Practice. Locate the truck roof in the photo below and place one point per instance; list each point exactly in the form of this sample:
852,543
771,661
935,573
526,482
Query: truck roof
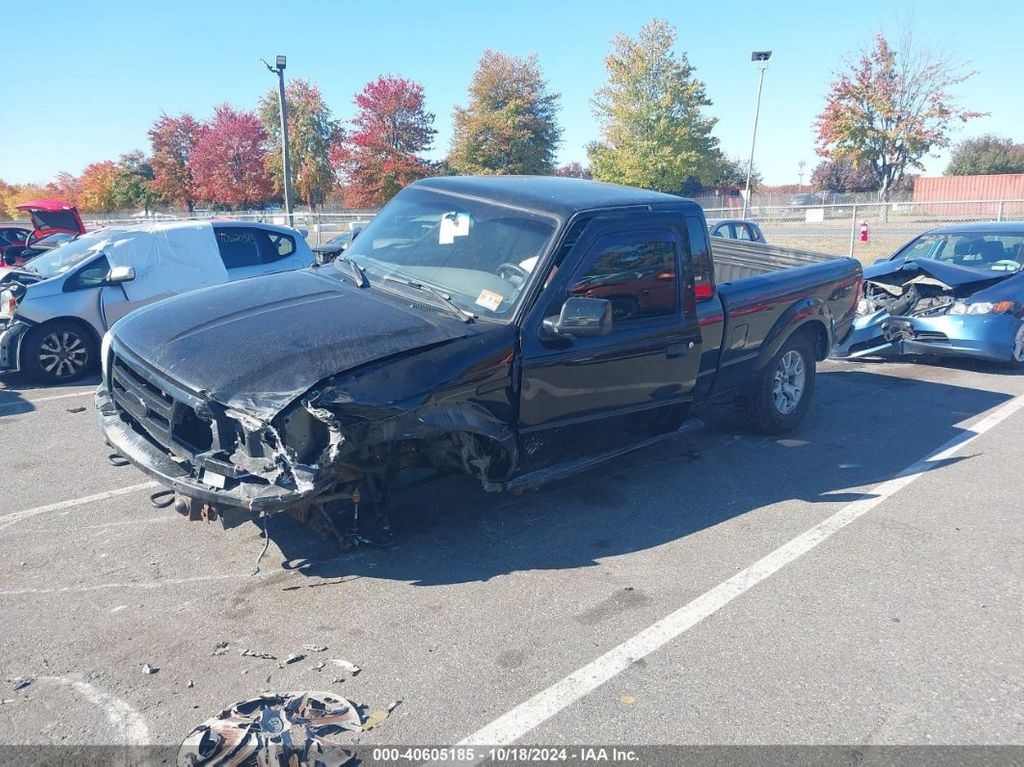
556,195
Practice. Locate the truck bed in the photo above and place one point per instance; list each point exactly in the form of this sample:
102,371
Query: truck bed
736,260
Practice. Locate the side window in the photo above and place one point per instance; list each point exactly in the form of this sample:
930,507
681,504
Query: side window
743,232
635,271
91,276
281,245
703,268
238,247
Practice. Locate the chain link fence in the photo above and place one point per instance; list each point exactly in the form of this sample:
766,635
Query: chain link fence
837,229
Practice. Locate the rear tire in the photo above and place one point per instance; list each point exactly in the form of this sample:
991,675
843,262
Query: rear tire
783,388
59,352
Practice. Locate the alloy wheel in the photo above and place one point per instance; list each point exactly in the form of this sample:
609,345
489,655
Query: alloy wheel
63,354
790,379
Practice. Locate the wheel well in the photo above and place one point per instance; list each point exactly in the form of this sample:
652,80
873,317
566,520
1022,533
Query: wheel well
90,331
818,335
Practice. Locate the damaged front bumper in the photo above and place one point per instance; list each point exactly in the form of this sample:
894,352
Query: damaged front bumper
11,334
194,481
988,337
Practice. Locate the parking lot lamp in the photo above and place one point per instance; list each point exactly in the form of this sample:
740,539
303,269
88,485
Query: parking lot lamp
278,69
761,58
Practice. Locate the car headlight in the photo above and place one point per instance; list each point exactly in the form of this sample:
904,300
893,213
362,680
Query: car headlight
983,307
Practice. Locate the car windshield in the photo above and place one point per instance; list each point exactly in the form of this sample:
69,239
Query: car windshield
478,253
995,252
64,257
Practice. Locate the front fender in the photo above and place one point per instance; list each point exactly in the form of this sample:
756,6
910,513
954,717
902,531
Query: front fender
803,312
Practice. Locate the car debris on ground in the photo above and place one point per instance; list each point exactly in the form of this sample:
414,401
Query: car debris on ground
288,728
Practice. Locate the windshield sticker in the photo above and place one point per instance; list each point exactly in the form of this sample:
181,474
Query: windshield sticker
489,300
452,225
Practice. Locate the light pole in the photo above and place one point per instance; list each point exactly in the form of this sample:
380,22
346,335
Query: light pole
761,58
280,62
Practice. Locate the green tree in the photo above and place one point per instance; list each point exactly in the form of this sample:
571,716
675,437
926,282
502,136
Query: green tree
509,125
655,133
133,187
891,109
311,133
986,155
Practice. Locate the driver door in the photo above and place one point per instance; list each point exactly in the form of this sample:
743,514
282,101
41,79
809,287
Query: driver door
586,396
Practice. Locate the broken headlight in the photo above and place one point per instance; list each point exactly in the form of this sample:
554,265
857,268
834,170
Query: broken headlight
983,307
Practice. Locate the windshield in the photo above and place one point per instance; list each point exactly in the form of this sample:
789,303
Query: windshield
479,253
59,260
995,252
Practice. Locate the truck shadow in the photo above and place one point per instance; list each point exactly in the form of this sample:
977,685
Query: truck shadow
861,430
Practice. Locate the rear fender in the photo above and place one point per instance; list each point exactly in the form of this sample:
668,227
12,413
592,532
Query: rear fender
811,313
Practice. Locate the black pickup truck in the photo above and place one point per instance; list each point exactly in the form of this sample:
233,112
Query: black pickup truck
511,328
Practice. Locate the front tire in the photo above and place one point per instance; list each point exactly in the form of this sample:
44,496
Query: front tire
59,352
782,389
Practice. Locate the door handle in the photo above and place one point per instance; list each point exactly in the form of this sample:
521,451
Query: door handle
678,350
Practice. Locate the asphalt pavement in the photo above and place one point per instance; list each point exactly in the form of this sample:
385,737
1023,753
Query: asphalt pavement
622,606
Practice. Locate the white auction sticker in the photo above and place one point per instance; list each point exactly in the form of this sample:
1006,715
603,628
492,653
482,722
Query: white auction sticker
489,300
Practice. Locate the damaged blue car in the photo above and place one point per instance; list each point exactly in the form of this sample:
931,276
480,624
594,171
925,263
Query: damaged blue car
955,291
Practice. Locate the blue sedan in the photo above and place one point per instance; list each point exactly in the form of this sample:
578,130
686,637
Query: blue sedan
954,291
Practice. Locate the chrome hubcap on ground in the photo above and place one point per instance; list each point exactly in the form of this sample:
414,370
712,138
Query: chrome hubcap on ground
1018,344
62,354
788,386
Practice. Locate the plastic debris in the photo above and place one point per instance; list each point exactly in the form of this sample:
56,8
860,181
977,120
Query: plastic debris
319,665
290,728
351,668
22,682
374,720
629,700
253,654
75,409
147,669
393,705
294,658
191,683
314,647
220,649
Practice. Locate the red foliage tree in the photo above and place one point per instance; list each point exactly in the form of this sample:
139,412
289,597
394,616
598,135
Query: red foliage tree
173,139
229,160
891,109
390,131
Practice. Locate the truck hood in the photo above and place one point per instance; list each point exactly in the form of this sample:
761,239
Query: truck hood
257,344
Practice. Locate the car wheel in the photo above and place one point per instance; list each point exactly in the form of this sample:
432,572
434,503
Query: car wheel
59,352
783,388
1017,352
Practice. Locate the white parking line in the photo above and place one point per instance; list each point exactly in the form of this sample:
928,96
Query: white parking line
119,713
21,403
125,585
520,720
6,520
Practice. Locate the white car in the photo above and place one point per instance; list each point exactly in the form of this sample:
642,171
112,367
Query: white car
55,308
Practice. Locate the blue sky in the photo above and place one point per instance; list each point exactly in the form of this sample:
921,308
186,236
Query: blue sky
86,79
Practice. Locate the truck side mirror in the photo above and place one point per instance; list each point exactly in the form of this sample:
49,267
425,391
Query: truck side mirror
581,318
119,274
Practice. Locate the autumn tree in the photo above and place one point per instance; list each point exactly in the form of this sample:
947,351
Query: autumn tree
842,176
134,185
651,111
574,170
96,187
172,140
311,134
986,155
382,154
509,125
891,109
229,160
